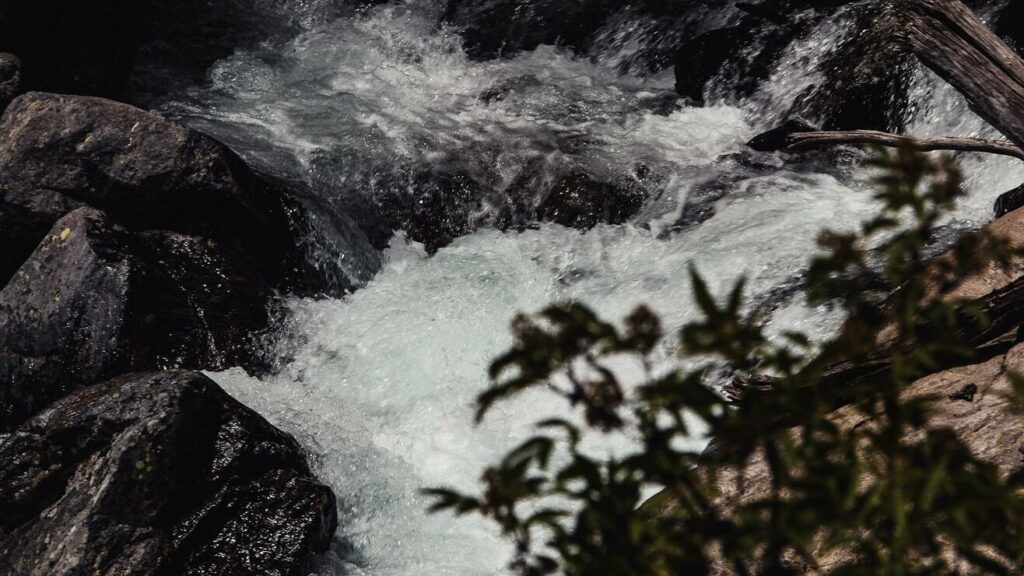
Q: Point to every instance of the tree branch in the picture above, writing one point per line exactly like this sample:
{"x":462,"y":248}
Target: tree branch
{"x":817,"y":139}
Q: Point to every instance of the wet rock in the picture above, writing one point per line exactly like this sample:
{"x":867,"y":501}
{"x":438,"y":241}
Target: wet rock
{"x":1009,"y":201}
{"x":701,"y":59}
{"x":492,"y":28}
{"x":158,"y":474}
{"x":62,"y":152}
{"x":577,"y":200}
{"x":739,"y":56}
{"x":702,"y":198}
{"x":865,"y":76}
{"x":866,"y":79}
{"x":96,"y":300}
{"x":10,"y":79}
{"x":431,"y":207}
{"x":332,"y":254}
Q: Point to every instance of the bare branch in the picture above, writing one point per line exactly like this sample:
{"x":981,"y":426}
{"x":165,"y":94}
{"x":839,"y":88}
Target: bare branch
{"x":817,"y":139}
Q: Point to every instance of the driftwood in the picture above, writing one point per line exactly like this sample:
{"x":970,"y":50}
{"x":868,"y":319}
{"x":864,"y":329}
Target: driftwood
{"x":807,"y":140}
{"x":948,"y":38}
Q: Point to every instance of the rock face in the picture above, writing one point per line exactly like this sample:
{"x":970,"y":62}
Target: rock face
{"x":96,"y":300}
{"x":157,"y":474}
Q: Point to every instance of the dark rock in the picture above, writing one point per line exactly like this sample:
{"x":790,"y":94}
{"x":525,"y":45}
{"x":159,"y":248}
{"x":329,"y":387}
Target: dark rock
{"x":777,"y":138}
{"x":702,"y":198}
{"x":866,"y":79}
{"x":492,"y":28}
{"x":1009,"y":201}
{"x":432,"y":207}
{"x":158,"y":474}
{"x":740,"y":56}
{"x":332,"y":254}
{"x":10,"y":79}
{"x":1007,"y":23}
{"x":63,"y":152}
{"x":577,"y":200}
{"x":96,"y":300}
{"x":701,"y":59}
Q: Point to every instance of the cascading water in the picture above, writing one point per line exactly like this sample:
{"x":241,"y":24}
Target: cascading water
{"x":379,"y":384}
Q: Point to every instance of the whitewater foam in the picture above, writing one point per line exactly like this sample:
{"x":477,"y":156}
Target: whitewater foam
{"x":381,"y":383}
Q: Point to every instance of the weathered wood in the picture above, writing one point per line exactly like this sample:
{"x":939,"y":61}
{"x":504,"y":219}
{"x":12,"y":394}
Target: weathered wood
{"x":950,"y":39}
{"x":816,"y":139}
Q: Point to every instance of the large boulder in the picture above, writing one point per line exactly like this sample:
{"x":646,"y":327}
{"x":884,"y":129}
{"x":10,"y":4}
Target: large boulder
{"x":157,"y":474}
{"x":866,"y":80}
{"x":58,"y":153}
{"x":96,"y":300}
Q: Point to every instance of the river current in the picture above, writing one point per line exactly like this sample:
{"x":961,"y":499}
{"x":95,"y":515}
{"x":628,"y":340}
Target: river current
{"x":379,"y":384}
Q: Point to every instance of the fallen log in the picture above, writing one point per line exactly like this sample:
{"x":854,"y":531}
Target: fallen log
{"x":954,"y":43}
{"x":807,"y":140}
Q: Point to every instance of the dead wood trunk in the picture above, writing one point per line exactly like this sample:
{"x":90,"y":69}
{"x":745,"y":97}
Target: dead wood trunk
{"x":949,"y":39}
{"x":820,"y":138}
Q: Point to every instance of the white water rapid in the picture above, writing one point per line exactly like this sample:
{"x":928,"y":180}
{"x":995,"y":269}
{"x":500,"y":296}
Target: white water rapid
{"x":380,"y":383}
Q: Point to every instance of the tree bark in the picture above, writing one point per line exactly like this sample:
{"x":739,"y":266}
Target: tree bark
{"x":948,"y":38}
{"x":818,"y":139}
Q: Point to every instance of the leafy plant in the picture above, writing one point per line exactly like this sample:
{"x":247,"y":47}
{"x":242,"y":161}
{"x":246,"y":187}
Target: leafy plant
{"x":894,"y":496}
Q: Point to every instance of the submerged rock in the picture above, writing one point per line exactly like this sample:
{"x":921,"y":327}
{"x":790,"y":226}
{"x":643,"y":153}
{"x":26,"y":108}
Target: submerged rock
{"x":157,"y":474}
{"x":96,"y":300}
{"x":577,"y":200}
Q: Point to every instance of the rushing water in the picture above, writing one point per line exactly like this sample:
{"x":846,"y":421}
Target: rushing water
{"x":380,"y":384}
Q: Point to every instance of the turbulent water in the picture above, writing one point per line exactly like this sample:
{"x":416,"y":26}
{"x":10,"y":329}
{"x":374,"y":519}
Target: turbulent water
{"x":380,"y":384}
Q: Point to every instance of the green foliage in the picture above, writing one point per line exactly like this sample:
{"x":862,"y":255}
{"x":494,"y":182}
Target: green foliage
{"x":895,"y":496}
